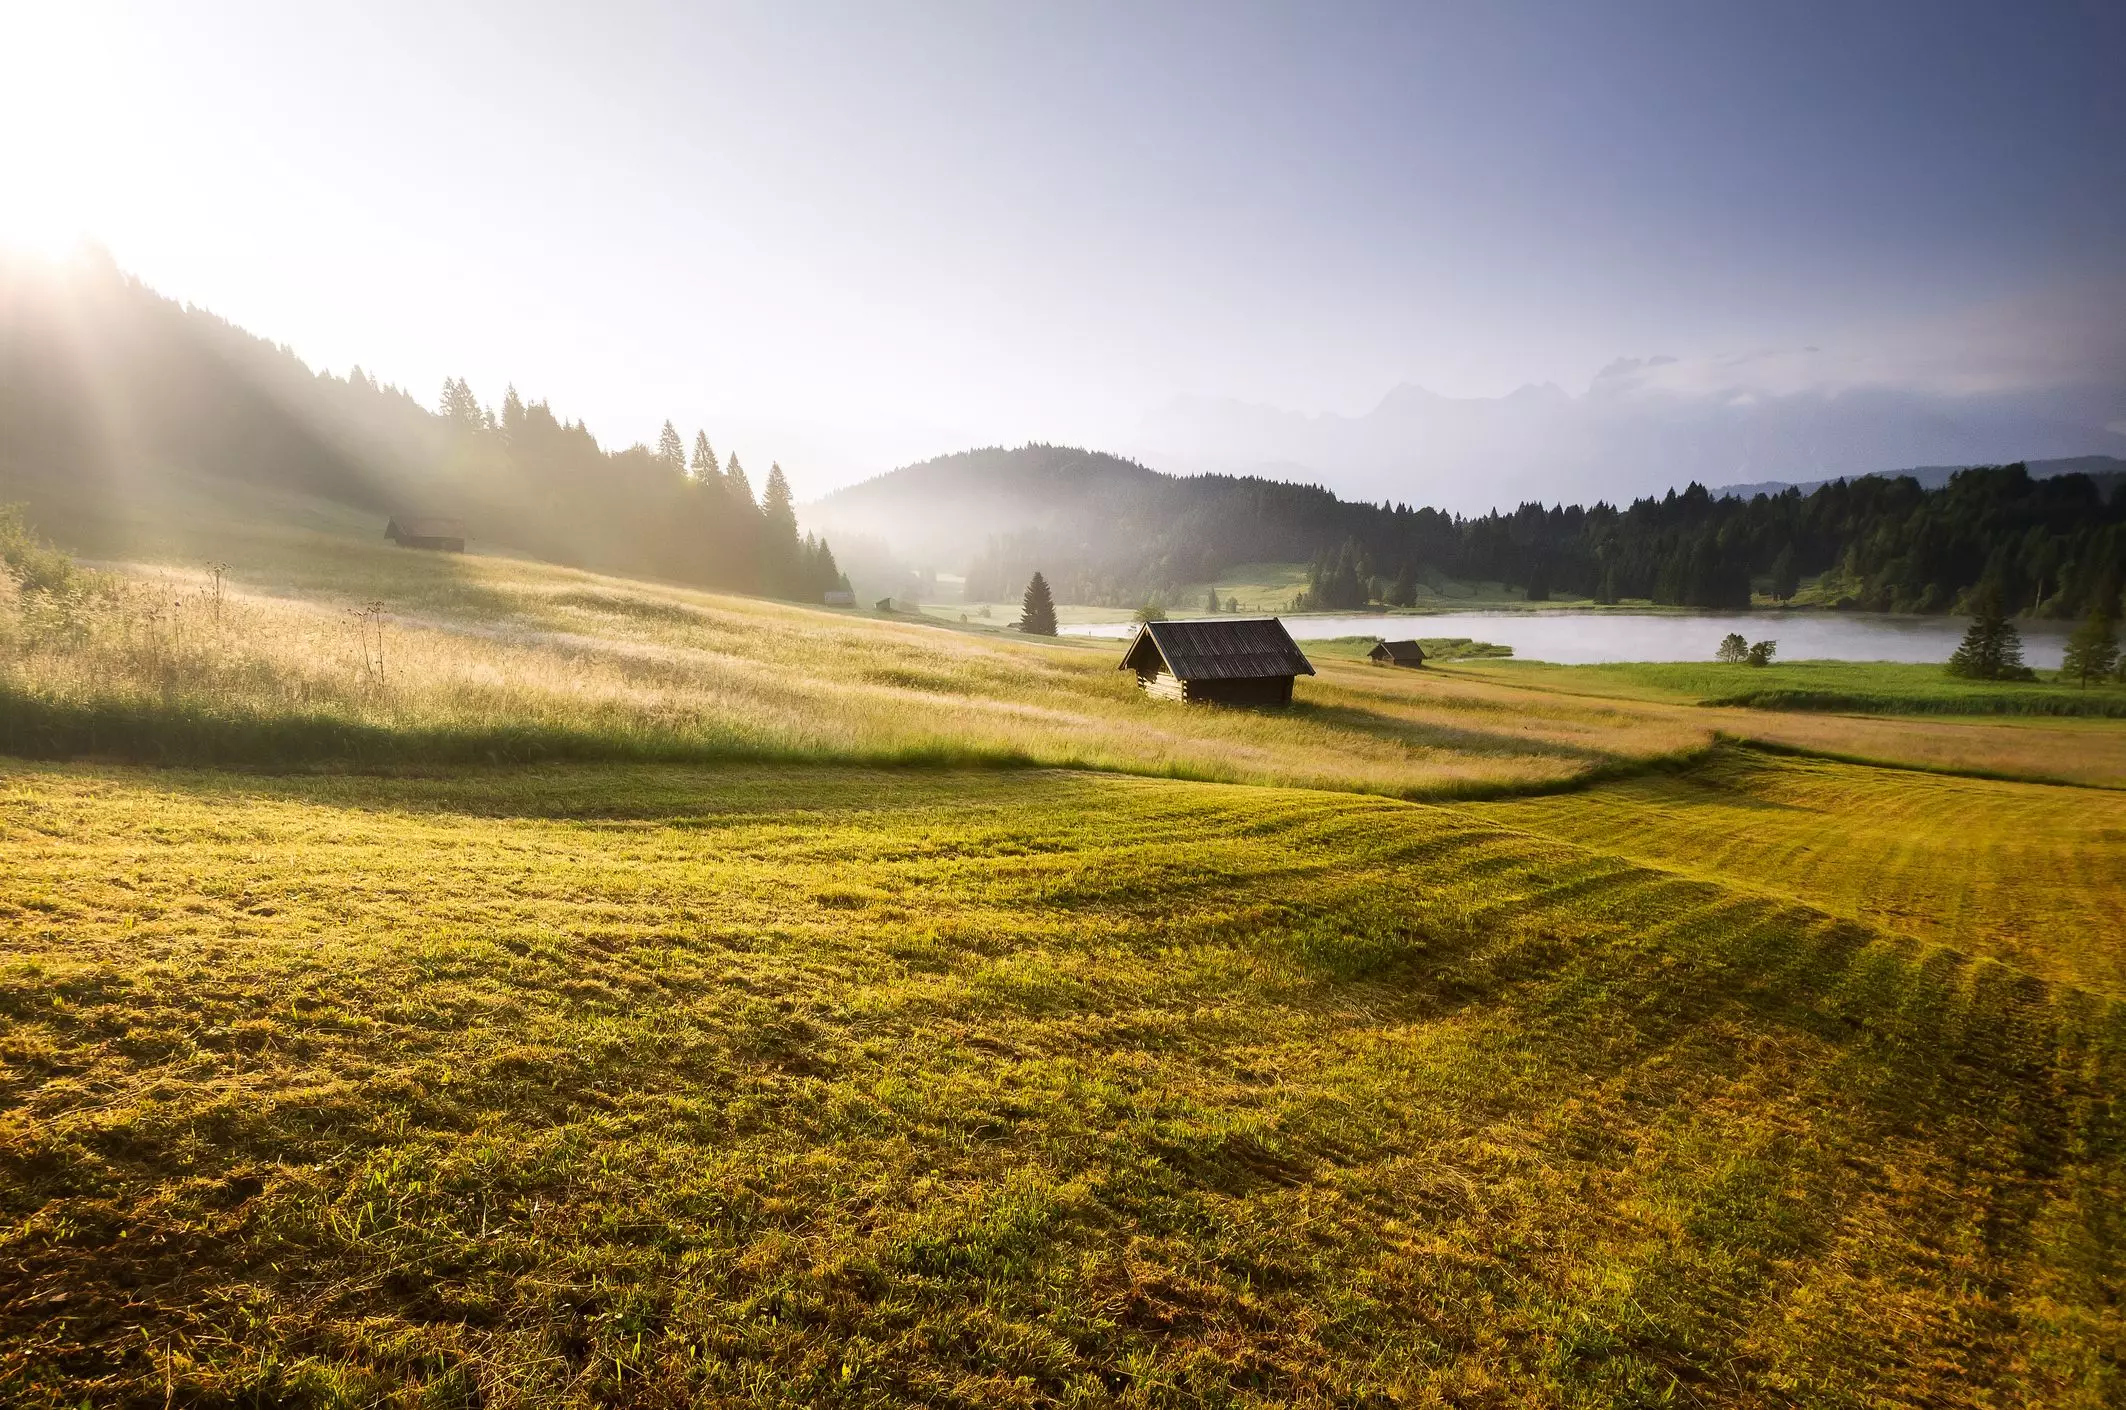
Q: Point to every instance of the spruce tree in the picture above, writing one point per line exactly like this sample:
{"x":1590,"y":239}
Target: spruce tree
{"x":671,"y":450}
{"x":776,"y":504}
{"x":780,"y":551}
{"x":1037,"y":612}
{"x":1403,"y":593}
{"x":1992,"y":650}
{"x":734,"y":479}
{"x":1210,"y":604}
{"x":704,"y":458}
{"x":2093,"y":651}
{"x":512,"y":413}
{"x":1785,"y":581}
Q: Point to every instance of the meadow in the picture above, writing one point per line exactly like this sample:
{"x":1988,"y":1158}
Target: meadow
{"x":467,"y":981}
{"x":2034,"y":876}
{"x":350,"y":651}
{"x":1851,"y":687}
{"x":805,"y":1085}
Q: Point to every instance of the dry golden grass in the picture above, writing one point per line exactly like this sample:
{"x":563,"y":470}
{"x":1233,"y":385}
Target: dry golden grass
{"x":466,"y":657}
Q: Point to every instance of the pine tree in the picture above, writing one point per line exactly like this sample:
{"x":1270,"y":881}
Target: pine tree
{"x":512,"y":413}
{"x":776,"y":504}
{"x":704,"y":467}
{"x":2093,"y":651}
{"x":671,"y":450}
{"x":1037,"y":613}
{"x":1785,"y":581}
{"x":781,"y":555}
{"x":1210,"y":604}
{"x":1992,"y":649}
{"x":1403,"y":592}
{"x":734,"y":479}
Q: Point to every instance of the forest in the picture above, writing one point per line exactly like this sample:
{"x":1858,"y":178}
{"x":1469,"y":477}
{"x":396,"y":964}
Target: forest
{"x":2054,"y":545}
{"x":110,"y":394}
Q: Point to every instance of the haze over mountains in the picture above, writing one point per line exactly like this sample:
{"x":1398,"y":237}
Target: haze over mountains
{"x":1642,"y":425}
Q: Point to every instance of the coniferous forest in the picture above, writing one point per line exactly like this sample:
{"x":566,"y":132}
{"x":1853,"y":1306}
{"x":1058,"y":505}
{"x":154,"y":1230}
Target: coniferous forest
{"x":2055,"y":546}
{"x":111,"y":395}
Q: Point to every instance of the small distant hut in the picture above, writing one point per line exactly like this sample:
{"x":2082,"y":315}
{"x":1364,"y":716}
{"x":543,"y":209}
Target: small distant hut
{"x":1397,"y":653}
{"x":1251,"y":661}
{"x":426,"y":531}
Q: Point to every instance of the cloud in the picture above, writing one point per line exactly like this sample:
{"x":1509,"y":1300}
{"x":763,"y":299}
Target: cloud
{"x":2065,"y":337}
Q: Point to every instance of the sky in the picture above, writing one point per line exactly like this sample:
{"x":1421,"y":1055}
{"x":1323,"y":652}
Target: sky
{"x":845,"y":236}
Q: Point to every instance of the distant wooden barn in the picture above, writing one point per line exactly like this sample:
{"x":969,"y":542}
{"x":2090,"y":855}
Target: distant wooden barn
{"x":1223,"y":661}
{"x":1397,"y":653}
{"x":444,"y":535}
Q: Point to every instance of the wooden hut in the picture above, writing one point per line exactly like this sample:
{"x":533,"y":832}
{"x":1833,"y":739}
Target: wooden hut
{"x":1397,"y":653}
{"x":426,"y":531}
{"x":1250,"y":661}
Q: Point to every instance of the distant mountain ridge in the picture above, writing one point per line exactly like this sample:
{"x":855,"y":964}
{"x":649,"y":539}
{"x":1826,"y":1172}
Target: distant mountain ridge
{"x":2107,"y":470}
{"x":1642,"y":424}
{"x":1108,"y":530}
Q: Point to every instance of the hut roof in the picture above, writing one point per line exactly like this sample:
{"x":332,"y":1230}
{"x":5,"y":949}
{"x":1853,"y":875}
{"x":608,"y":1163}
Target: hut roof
{"x":426,"y":526}
{"x":1398,"y":651}
{"x":1222,"y":648}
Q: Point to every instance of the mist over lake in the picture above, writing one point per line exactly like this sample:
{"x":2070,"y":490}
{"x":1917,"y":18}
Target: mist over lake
{"x":1594,"y":638}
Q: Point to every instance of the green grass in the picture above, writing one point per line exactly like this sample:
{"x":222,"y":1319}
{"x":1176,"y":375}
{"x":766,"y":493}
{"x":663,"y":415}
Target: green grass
{"x":825,"y":1086}
{"x":484,"y":659}
{"x":1864,"y":687}
{"x":2032,"y":875}
{"x":596,"y":1020}
{"x":1437,"y":648}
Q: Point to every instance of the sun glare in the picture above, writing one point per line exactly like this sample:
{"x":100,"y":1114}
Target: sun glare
{"x":54,"y":116}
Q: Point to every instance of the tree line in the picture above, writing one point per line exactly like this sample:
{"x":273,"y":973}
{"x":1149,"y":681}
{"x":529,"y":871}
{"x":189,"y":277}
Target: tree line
{"x":1875,"y":543}
{"x":664,"y":509}
{"x":105,"y":383}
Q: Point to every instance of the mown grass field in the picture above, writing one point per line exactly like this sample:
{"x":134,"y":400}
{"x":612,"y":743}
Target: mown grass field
{"x":804,"y":1085}
{"x":2029,"y":874}
{"x":1865,"y":687}
{"x":566,"y":991}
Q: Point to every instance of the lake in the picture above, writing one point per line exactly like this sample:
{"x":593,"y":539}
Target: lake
{"x":1589,"y":638}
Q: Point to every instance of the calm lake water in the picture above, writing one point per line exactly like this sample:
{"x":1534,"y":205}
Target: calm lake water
{"x":1589,"y":638}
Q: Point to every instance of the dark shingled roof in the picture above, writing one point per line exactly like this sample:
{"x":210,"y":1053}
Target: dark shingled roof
{"x":1398,"y":651}
{"x":1222,"y":648}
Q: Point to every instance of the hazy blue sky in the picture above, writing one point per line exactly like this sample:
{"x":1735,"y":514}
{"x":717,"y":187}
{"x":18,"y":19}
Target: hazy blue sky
{"x":845,"y":235}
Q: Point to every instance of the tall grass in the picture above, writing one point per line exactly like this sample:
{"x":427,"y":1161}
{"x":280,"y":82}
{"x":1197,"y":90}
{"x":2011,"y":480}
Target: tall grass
{"x":413,"y":659}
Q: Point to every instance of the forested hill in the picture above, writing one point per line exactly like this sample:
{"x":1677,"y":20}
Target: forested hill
{"x":117,"y":404}
{"x":1107,"y":530}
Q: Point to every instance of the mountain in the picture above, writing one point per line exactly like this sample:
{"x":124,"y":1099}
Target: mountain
{"x":130,"y":422}
{"x":2107,"y":471}
{"x":1641,"y":425}
{"x":1106,"y":530}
